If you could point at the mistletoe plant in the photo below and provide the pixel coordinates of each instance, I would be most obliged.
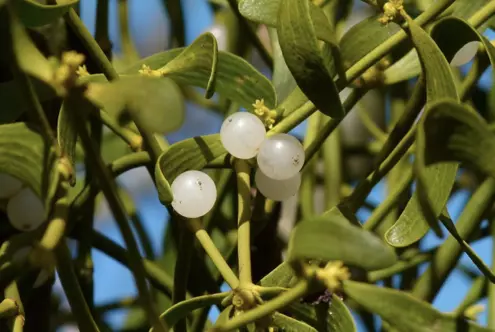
(224, 191)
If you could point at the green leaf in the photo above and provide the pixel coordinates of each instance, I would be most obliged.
(173, 314)
(266, 12)
(363, 37)
(283, 80)
(190, 154)
(198, 59)
(435, 182)
(34, 14)
(332, 317)
(329, 238)
(156, 104)
(14, 102)
(289, 324)
(66, 133)
(24, 155)
(236, 79)
(28, 57)
(282, 276)
(404, 312)
(302, 54)
(225, 315)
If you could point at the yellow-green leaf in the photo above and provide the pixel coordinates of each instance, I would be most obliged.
(404, 312)
(329, 238)
(236, 79)
(199, 58)
(154, 103)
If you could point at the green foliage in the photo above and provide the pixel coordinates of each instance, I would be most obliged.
(52, 120)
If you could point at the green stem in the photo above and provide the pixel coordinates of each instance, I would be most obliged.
(482, 15)
(56, 228)
(252, 35)
(243, 171)
(478, 289)
(111, 194)
(134, 140)
(387, 205)
(383, 49)
(12, 293)
(8, 308)
(181, 273)
(72, 289)
(449, 252)
(332, 160)
(491, 286)
(306, 196)
(212, 251)
(156, 275)
(128, 48)
(293, 294)
(101, 29)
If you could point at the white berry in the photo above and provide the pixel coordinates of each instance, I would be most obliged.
(9, 185)
(277, 190)
(25, 210)
(194, 194)
(465, 54)
(281, 156)
(242, 134)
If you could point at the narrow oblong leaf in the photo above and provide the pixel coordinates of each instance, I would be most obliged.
(329, 238)
(24, 155)
(266, 12)
(35, 14)
(157, 104)
(404, 312)
(281, 276)
(236, 79)
(173, 314)
(303, 56)
(363, 37)
(199, 58)
(191, 154)
(435, 182)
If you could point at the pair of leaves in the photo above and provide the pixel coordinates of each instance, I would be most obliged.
(329, 237)
(302, 54)
(230, 75)
(404, 312)
(435, 182)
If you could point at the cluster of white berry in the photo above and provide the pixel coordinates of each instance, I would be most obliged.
(280, 159)
(25, 210)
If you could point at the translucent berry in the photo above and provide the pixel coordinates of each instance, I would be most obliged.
(281, 156)
(242, 134)
(194, 194)
(465, 54)
(9, 185)
(277, 190)
(25, 210)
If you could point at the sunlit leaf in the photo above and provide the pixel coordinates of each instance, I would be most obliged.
(156, 104)
(282, 276)
(302, 54)
(236, 79)
(34, 14)
(287, 323)
(404, 312)
(198, 59)
(328, 238)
